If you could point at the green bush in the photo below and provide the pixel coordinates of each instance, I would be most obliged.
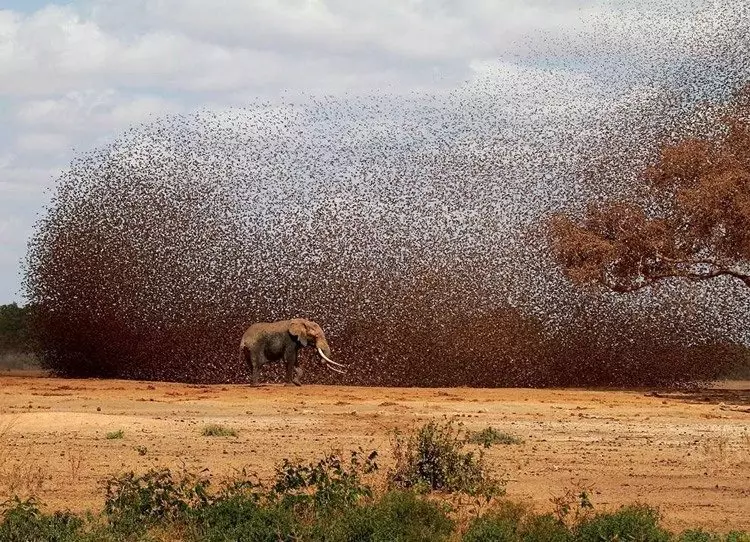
(134, 502)
(636, 523)
(490, 436)
(399, 516)
(114, 435)
(329, 484)
(433, 458)
(244, 517)
(545, 528)
(23, 522)
(509, 522)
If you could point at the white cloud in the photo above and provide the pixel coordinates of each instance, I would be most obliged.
(92, 111)
(41, 142)
(198, 46)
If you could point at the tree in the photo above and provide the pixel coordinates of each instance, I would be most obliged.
(694, 223)
(13, 328)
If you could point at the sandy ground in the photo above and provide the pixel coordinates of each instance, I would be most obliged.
(687, 454)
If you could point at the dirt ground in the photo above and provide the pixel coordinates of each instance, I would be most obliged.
(688, 454)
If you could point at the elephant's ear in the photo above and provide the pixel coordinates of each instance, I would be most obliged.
(297, 329)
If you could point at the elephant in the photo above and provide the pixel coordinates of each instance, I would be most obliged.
(264, 342)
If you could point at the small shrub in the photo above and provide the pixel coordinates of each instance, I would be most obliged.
(23, 522)
(328, 484)
(433, 458)
(244, 517)
(574, 506)
(546, 528)
(489, 436)
(637, 523)
(398, 516)
(114, 435)
(142, 450)
(217, 430)
(134, 502)
(511, 522)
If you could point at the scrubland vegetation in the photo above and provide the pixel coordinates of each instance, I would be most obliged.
(439, 490)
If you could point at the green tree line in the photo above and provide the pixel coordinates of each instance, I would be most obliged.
(14, 328)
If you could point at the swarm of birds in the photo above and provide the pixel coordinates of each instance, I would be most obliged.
(412, 228)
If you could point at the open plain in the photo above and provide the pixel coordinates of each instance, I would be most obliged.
(686, 453)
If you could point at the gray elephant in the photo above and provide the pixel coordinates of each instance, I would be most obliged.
(264, 342)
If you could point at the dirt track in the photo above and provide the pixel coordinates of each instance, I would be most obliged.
(688, 455)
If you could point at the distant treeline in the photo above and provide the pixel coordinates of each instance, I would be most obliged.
(14, 328)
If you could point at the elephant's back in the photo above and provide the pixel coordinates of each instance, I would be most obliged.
(260, 329)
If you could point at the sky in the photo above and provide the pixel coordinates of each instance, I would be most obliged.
(74, 75)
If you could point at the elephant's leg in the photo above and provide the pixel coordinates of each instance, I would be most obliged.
(292, 370)
(256, 360)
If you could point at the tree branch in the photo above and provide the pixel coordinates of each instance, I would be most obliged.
(718, 273)
(651, 278)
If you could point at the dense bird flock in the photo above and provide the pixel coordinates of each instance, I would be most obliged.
(410, 226)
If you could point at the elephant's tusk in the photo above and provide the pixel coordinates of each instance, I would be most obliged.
(329, 360)
(332, 368)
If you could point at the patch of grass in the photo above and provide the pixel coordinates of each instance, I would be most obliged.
(699, 535)
(114, 435)
(433, 459)
(218, 430)
(490, 436)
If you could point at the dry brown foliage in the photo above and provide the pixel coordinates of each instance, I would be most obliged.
(695, 224)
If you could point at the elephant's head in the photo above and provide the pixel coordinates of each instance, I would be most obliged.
(308, 333)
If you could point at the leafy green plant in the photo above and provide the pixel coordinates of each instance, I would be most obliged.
(217, 430)
(638, 523)
(433, 458)
(490, 436)
(398, 515)
(114, 435)
(22, 521)
(512, 522)
(330, 483)
(244, 517)
(132, 502)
